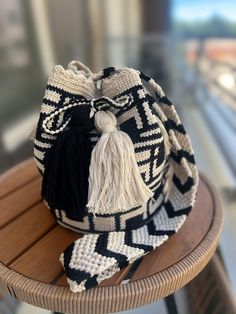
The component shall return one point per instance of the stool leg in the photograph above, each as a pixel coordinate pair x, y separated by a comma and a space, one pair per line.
171, 304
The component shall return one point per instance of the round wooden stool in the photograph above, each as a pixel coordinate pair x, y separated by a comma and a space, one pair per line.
31, 243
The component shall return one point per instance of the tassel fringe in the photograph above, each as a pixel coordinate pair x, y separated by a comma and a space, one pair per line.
115, 183
65, 179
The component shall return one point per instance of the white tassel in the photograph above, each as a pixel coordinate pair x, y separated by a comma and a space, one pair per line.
115, 183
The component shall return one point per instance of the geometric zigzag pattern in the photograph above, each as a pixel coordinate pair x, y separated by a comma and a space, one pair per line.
94, 258
97, 256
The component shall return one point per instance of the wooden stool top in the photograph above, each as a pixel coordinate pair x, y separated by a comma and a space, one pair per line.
31, 243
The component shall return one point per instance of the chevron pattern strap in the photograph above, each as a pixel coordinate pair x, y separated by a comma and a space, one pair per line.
94, 258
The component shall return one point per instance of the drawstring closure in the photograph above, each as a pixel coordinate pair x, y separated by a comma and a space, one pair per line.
102, 103
151, 84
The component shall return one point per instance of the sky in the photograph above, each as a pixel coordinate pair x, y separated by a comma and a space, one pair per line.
203, 9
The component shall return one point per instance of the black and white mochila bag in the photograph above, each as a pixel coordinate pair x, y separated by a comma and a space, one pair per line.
117, 165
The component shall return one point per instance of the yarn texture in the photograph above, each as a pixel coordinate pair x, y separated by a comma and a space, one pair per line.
115, 183
141, 176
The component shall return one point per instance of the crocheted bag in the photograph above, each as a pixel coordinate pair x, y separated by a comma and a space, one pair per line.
105, 155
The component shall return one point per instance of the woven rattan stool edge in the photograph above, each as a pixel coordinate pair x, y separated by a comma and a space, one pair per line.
119, 297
